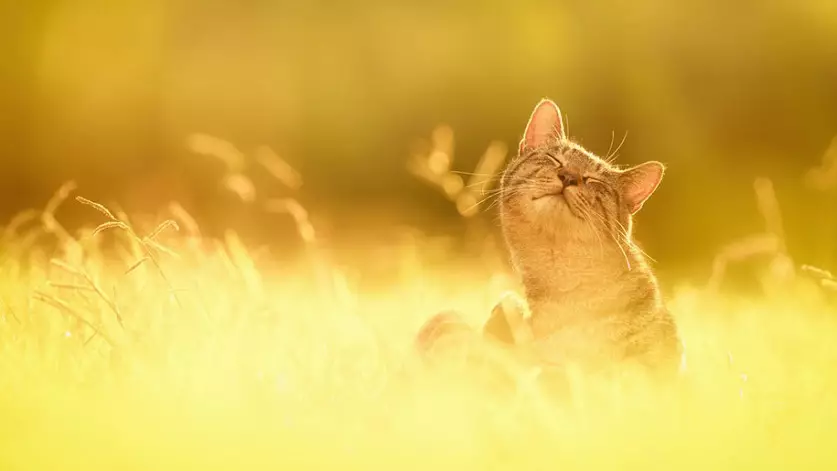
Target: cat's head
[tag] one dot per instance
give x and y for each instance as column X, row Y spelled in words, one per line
column 556, row 188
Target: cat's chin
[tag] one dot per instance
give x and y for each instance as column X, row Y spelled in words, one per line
column 553, row 195
column 549, row 199
column 554, row 203
column 557, row 205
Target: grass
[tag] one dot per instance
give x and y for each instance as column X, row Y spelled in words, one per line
column 173, row 351
column 140, row 348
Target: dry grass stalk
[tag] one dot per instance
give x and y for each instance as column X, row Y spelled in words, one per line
column 298, row 212
column 68, row 309
column 241, row 186
column 235, row 163
column 109, row 225
column 13, row 241
column 488, row 167
column 189, row 223
column 97, row 207
column 8, row 308
column 278, row 168
column 167, row 224
column 150, row 247
column 768, row 205
column 243, row 263
column 324, row 272
column 136, row 265
column 233, row 160
column 824, row 277
column 224, row 151
column 70, row 286
column 824, row 177
column 70, row 245
column 19, row 220
column 91, row 286
column 770, row 243
column 435, row 169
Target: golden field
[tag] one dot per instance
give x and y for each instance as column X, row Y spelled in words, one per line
column 164, row 349
column 259, row 323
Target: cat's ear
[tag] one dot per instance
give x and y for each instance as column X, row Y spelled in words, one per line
column 544, row 126
column 638, row 183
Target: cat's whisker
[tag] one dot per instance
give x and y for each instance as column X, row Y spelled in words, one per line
column 484, row 181
column 497, row 196
column 491, row 192
column 508, row 193
column 610, row 147
column 622, row 234
column 627, row 238
column 601, row 219
column 472, row 174
column 611, row 157
column 622, row 249
column 504, row 193
column 616, row 239
column 587, row 210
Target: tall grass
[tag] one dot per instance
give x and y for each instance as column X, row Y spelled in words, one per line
column 132, row 347
column 173, row 351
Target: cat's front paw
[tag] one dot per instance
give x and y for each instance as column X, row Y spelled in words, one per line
column 509, row 321
column 445, row 331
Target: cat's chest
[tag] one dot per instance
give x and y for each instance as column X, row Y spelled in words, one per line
column 589, row 328
column 569, row 311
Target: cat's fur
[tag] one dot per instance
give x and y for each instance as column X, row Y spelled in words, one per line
column 566, row 216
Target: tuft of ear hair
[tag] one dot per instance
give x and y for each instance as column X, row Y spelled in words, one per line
column 638, row 183
column 545, row 125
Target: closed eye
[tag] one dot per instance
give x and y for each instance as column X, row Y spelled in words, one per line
column 554, row 160
column 588, row 179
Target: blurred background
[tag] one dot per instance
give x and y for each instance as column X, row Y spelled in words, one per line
column 107, row 94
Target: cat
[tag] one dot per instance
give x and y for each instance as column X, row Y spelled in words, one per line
column 566, row 216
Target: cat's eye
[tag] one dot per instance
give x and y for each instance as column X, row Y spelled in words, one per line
column 554, row 160
column 588, row 179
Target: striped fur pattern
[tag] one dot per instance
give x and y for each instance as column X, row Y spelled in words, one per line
column 567, row 216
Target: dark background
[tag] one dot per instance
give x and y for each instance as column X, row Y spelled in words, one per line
column 106, row 93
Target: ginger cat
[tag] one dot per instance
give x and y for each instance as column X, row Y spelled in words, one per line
column 566, row 216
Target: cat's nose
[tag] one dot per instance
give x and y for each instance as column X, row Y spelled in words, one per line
column 567, row 178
